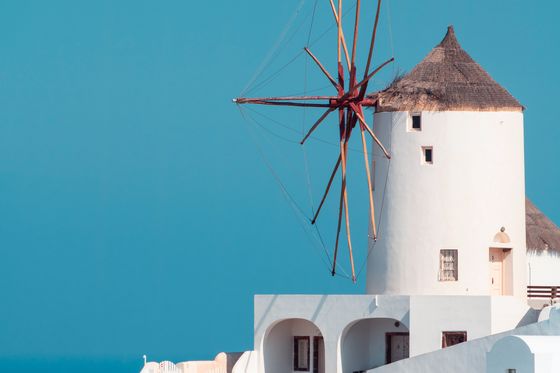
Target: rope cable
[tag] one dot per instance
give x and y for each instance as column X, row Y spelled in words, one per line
column 268, row 59
column 304, row 151
column 270, row 55
column 253, row 85
column 319, row 139
column 276, row 53
column 298, row 211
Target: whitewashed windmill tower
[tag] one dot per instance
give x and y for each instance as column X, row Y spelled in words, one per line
column 451, row 200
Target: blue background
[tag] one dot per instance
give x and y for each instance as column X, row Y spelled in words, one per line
column 136, row 213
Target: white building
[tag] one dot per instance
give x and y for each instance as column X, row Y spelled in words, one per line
column 448, row 275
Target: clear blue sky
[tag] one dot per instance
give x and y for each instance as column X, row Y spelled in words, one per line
column 137, row 216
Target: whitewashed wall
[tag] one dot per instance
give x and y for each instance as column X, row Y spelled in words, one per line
column 510, row 353
column 432, row 315
column 363, row 344
column 475, row 186
column 247, row 363
column 353, row 326
column 279, row 349
column 543, row 269
column 470, row 356
column 531, row 354
column 333, row 315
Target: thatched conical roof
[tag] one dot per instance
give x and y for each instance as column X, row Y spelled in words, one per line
column 447, row 79
column 542, row 233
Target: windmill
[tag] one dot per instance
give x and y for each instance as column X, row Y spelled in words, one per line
column 349, row 102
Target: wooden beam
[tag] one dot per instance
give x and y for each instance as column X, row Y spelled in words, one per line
column 329, row 76
column 346, row 209
column 370, row 186
column 369, row 76
column 336, row 18
column 356, row 28
column 329, row 184
column 246, row 100
column 284, row 103
column 340, row 206
column 339, row 24
column 357, row 110
column 314, row 127
column 373, row 36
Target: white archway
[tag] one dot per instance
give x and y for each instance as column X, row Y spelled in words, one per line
column 370, row 343
column 294, row 345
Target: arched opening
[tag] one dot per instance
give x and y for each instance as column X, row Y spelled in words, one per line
column 371, row 343
column 294, row 345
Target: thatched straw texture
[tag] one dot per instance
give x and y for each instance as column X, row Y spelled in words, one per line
column 542, row 233
column 448, row 79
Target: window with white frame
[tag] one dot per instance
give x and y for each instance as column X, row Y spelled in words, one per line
column 416, row 122
column 301, row 354
column 448, row 265
column 427, row 155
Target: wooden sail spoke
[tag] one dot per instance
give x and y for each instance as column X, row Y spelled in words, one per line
column 373, row 36
column 370, row 186
column 345, row 132
column 358, row 112
column 339, row 25
column 340, row 207
column 329, row 76
column 329, row 184
column 363, row 83
column 350, row 104
column 356, row 27
column 245, row 100
column 346, row 209
column 317, row 123
column 341, row 35
column 281, row 103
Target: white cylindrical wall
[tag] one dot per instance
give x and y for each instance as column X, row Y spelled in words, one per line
column 543, row 269
column 475, row 186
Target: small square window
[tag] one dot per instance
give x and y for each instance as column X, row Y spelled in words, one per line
column 416, row 124
column 427, row 155
column 452, row 338
column 301, row 354
column 448, row 265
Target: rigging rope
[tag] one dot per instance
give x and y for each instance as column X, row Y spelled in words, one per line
column 275, row 48
column 303, row 146
column 312, row 137
column 304, row 116
column 253, row 85
column 300, row 214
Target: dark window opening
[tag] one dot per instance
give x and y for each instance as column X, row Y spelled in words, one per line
column 318, row 354
column 428, row 155
column 301, row 354
column 452, row 338
column 416, row 122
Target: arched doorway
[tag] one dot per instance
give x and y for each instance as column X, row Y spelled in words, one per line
column 371, row 343
column 294, row 345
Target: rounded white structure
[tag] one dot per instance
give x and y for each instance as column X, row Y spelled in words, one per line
column 450, row 203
